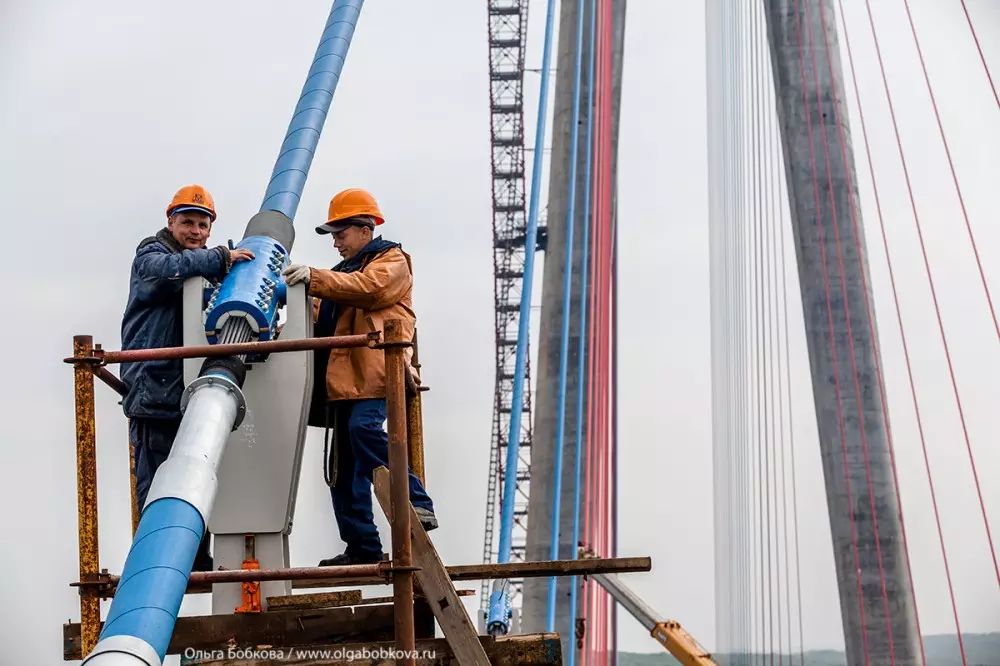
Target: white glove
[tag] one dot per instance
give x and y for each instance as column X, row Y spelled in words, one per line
column 296, row 273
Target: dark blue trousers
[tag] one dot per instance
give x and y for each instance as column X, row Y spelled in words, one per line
column 152, row 440
column 368, row 449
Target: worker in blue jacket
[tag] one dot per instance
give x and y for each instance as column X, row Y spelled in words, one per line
column 153, row 318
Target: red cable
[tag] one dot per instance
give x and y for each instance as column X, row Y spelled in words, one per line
column 604, row 435
column 604, row 426
column 595, row 627
column 892, row 279
column 833, row 350
column 613, row 351
column 605, row 245
column 981, row 56
column 847, row 316
column 930, row 281
column 958, row 189
column 597, row 442
column 605, row 226
column 605, row 449
column 909, row 370
column 595, row 398
column 614, row 425
column 606, row 334
column 600, row 628
column 588, row 590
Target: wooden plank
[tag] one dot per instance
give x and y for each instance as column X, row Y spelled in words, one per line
column 279, row 628
column 388, row 600
column 316, row 600
column 520, row 650
column 435, row 583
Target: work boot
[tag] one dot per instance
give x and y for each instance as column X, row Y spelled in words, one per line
column 427, row 518
column 344, row 559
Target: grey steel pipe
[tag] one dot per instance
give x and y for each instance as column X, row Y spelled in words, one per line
column 638, row 608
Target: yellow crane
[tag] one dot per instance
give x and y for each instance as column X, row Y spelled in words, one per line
column 668, row 633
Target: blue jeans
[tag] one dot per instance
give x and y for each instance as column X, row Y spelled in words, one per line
column 368, row 449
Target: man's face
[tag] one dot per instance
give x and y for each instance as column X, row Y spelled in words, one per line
column 351, row 240
column 190, row 228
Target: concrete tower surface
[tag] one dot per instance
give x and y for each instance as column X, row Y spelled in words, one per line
column 877, row 606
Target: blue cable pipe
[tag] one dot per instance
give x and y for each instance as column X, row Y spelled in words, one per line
column 499, row 601
column 144, row 609
column 581, row 356
column 155, row 576
column 295, row 157
column 567, row 288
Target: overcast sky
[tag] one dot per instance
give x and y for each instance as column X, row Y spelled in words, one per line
column 107, row 107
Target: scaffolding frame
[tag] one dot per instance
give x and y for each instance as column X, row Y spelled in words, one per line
column 422, row 585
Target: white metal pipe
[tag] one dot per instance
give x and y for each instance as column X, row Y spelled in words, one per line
column 213, row 406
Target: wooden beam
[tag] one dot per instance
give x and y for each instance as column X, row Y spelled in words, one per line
column 334, row 599
column 278, row 628
column 316, row 600
column 520, row 650
column 435, row 583
column 388, row 600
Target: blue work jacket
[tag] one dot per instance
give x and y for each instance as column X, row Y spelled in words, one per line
column 153, row 318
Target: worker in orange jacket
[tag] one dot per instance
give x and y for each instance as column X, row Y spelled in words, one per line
column 374, row 281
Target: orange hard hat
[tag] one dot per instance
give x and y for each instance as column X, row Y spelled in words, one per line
column 192, row 197
column 348, row 204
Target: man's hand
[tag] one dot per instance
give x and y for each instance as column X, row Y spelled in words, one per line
column 296, row 273
column 240, row 254
column 412, row 380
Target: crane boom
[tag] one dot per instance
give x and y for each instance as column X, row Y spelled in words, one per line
column 668, row 633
